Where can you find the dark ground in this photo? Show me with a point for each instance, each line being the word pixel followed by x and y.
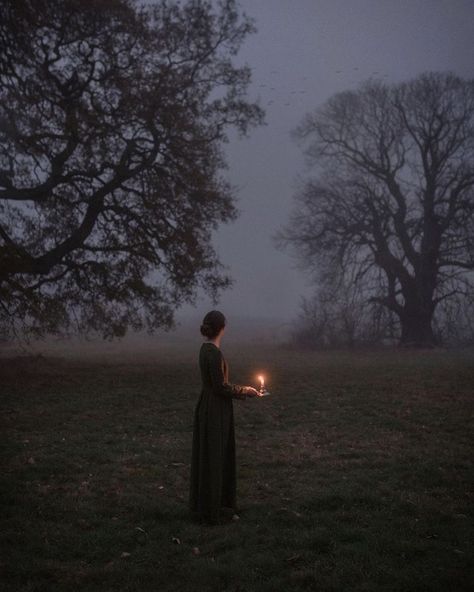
pixel 356 474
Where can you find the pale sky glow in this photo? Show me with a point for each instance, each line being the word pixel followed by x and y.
pixel 305 51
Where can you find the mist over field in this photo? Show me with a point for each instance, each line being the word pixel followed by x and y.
pixel 185 337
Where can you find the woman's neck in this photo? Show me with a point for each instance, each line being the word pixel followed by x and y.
pixel 216 341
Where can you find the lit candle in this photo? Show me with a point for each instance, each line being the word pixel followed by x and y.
pixel 262 390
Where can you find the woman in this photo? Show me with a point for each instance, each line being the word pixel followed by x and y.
pixel 213 473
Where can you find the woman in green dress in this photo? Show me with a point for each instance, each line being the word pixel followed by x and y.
pixel 213 466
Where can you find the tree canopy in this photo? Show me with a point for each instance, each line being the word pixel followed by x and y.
pixel 112 121
pixel 388 203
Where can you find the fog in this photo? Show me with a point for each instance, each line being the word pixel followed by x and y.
pixel 304 52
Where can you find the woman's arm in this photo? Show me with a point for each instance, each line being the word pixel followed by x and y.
pixel 219 386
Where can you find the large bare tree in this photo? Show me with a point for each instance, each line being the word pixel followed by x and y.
pixel 389 202
pixel 112 119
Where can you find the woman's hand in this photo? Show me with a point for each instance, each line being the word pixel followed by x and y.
pixel 251 392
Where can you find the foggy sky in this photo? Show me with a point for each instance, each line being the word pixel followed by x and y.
pixel 320 47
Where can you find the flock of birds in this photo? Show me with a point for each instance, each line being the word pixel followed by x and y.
pixel 271 89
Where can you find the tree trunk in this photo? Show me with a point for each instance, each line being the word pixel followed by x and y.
pixel 417 330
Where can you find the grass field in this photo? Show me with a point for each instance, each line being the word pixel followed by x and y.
pixel 356 474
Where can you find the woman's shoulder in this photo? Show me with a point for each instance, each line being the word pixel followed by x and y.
pixel 210 349
pixel 209 346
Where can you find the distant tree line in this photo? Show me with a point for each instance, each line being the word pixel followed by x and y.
pixel 384 221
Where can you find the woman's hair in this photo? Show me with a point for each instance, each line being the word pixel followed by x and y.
pixel 212 324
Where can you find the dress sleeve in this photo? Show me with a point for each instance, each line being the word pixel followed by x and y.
pixel 219 386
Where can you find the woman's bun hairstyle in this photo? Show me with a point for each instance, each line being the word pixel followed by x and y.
pixel 212 324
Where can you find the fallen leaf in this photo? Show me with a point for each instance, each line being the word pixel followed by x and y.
pixel 196 551
pixel 176 540
pixel 125 554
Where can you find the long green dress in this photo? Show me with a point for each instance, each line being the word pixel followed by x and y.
pixel 213 467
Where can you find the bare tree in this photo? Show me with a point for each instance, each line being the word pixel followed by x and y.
pixel 112 119
pixel 389 197
pixel 339 314
pixel 454 320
